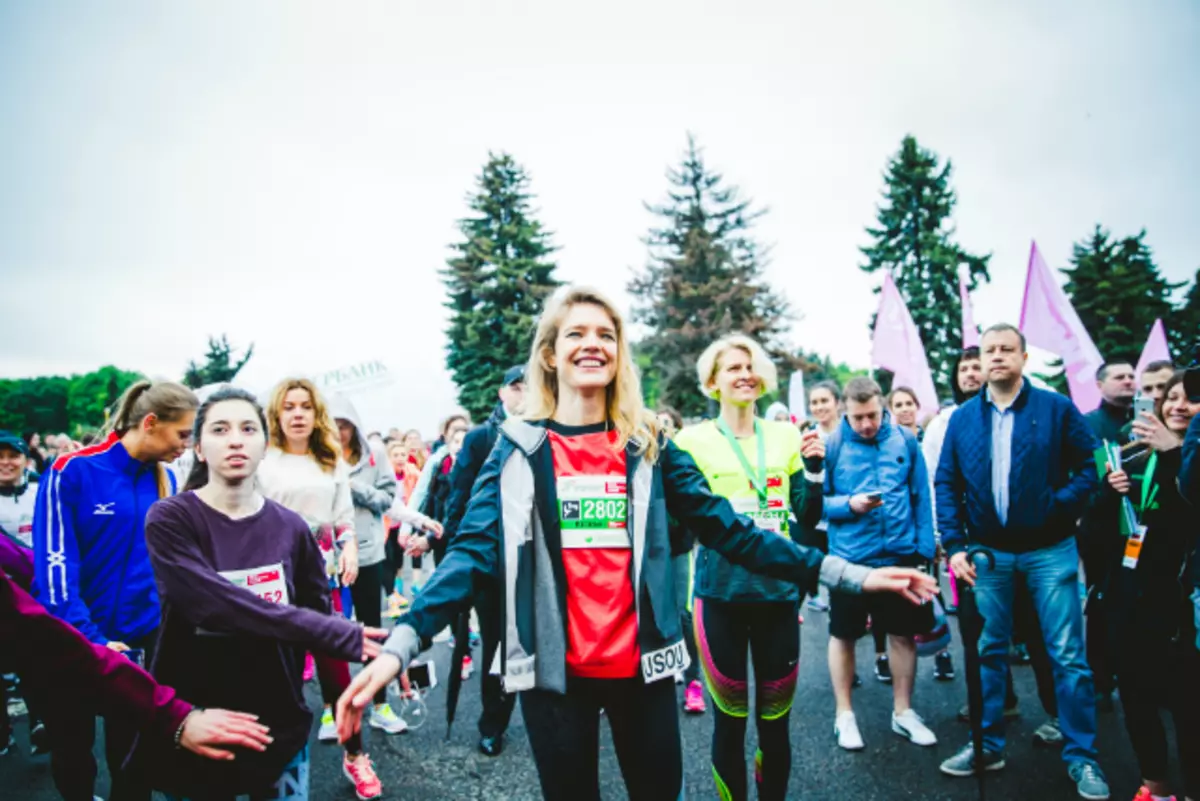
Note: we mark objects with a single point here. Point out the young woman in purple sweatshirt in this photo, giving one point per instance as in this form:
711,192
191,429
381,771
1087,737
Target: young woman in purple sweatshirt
244,595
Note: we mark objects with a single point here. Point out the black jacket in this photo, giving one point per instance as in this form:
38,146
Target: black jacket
477,444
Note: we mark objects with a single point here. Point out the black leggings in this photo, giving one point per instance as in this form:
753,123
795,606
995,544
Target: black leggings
564,732
771,633
367,594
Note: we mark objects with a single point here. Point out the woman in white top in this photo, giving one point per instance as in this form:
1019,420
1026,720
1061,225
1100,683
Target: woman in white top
304,471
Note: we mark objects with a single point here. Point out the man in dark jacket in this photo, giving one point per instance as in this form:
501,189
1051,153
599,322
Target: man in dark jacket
1016,472
478,444
1100,532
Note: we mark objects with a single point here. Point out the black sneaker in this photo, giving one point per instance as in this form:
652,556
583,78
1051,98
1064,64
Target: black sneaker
883,671
943,667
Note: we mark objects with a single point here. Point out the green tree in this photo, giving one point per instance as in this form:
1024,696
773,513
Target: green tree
496,283
220,365
1183,326
58,404
704,279
823,368
90,396
1118,292
914,241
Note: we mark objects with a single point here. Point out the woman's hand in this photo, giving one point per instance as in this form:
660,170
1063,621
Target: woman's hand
1119,480
1150,430
418,546
913,584
962,568
361,693
372,637
348,563
812,448
205,728
430,526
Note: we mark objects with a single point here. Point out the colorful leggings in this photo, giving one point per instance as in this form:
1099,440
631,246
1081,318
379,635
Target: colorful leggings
771,633
292,784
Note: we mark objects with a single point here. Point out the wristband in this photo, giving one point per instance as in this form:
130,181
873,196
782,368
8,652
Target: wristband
183,724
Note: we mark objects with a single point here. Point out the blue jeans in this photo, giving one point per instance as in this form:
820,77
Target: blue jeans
1051,574
292,784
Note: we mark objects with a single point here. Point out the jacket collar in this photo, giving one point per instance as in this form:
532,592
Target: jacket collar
985,397
885,430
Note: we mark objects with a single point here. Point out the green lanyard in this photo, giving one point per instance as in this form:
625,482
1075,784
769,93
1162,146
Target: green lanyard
757,480
1149,488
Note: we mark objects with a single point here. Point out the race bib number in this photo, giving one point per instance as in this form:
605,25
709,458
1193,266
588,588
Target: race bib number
773,518
592,511
1133,547
665,662
267,582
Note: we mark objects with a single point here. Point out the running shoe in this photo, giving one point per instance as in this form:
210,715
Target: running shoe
310,668
1048,735
328,730
883,671
473,640
1144,794
693,699
908,724
384,718
962,764
801,619
361,774
1089,781
817,605
943,667
468,667
845,729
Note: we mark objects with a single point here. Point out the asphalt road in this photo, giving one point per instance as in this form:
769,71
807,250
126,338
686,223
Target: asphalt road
423,766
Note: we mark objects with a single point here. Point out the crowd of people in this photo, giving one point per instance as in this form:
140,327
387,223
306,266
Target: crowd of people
210,551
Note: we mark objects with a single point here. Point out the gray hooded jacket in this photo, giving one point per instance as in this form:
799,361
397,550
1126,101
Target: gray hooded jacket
372,486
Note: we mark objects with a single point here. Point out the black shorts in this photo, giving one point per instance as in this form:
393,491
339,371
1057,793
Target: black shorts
893,613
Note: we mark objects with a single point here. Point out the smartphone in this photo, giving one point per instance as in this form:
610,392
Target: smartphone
422,675
137,656
1142,404
874,497
805,425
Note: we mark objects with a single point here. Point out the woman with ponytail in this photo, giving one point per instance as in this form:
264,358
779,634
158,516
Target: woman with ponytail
91,567
303,470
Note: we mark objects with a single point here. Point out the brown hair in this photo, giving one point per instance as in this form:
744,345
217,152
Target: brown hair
166,400
323,444
1174,381
903,390
862,389
198,476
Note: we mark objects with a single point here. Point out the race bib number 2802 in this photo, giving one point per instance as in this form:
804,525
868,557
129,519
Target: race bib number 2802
267,582
592,511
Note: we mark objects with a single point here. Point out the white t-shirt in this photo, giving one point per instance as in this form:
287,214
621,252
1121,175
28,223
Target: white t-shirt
300,483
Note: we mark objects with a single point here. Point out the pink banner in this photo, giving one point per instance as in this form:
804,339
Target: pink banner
1050,322
1156,348
970,333
897,347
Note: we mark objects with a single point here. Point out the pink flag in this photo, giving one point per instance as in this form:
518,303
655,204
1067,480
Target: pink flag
897,347
1050,322
1156,348
970,334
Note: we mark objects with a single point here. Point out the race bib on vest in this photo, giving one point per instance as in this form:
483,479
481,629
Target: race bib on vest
773,518
665,662
592,511
267,582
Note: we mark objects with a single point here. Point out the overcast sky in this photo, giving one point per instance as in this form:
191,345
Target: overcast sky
290,173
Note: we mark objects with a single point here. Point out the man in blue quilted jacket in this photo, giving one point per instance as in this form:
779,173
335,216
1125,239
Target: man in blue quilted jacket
1014,476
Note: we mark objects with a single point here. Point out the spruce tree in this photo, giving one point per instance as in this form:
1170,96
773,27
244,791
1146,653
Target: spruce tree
219,365
495,283
1118,292
914,241
1183,327
704,279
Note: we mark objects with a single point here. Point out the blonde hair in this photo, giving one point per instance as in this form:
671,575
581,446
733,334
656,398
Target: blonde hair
166,400
710,362
324,444
628,414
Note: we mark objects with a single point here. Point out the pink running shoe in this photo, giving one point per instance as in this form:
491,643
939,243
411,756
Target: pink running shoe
361,774
1144,795
310,668
693,699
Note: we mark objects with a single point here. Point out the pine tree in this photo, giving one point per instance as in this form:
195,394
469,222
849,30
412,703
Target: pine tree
704,279
915,243
495,283
1183,327
219,365
1118,292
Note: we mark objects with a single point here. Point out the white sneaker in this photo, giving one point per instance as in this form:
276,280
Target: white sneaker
845,728
908,724
328,731
385,719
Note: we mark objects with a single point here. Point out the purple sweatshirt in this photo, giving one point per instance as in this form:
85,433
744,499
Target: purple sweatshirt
242,600
72,673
